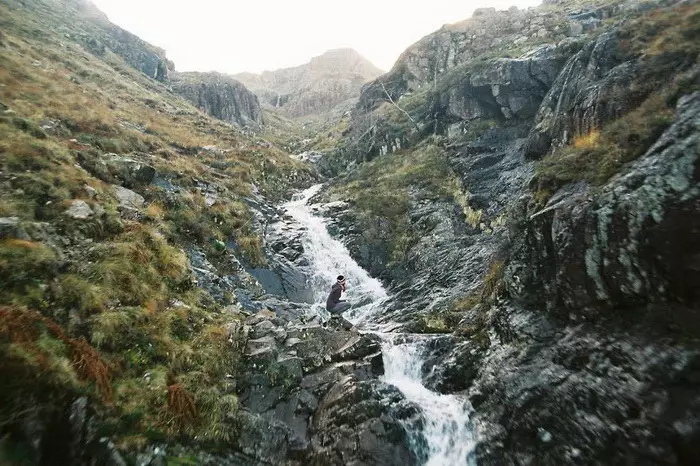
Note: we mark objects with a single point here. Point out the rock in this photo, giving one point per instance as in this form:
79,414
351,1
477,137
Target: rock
263,328
79,210
128,198
359,420
90,191
323,85
10,227
280,334
260,344
357,348
220,96
591,265
263,439
131,172
574,104
600,250
291,369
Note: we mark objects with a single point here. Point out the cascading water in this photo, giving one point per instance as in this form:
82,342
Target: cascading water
446,438
329,258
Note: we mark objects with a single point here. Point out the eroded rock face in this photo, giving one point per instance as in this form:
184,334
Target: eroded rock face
220,96
636,241
584,395
588,92
595,359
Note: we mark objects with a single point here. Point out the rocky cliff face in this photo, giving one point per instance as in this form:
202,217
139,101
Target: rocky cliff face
81,21
220,96
327,81
557,257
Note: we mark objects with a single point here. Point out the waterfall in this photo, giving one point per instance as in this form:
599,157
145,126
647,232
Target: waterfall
446,437
329,258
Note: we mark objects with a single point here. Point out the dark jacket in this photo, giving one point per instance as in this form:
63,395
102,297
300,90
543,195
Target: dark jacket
334,297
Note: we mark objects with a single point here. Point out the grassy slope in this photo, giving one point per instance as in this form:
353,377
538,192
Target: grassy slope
101,302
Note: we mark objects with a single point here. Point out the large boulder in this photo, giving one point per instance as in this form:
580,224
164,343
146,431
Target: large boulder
359,422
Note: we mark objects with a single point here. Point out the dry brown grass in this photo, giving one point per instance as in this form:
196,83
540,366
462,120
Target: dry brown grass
587,141
90,366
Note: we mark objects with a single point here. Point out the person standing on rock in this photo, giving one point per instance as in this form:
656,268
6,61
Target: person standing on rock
334,304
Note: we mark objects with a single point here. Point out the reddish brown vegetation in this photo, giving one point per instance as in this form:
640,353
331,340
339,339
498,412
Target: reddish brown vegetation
24,327
181,405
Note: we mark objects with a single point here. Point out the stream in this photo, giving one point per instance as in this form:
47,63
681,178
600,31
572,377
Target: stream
446,437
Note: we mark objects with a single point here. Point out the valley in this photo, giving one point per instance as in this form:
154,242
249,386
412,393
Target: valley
515,205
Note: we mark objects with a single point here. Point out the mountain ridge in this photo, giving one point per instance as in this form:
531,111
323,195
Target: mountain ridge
315,87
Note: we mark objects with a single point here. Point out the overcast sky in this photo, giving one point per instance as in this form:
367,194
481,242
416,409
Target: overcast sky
256,35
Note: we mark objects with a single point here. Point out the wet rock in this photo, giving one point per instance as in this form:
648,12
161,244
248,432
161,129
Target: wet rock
576,391
454,368
358,421
357,348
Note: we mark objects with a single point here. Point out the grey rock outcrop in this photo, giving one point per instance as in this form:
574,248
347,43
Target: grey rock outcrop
588,92
97,34
128,198
79,210
220,96
634,242
313,392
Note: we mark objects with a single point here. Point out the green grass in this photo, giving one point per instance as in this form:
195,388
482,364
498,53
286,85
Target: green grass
382,191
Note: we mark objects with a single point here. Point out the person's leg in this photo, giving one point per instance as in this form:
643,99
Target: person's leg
340,308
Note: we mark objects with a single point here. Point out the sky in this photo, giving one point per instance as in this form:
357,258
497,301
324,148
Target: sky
232,36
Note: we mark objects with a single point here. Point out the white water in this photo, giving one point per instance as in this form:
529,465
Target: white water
446,417
329,258
446,438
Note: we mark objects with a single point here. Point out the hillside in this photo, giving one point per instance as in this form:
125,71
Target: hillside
515,207
121,205
328,81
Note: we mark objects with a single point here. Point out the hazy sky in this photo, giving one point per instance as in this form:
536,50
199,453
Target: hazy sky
256,35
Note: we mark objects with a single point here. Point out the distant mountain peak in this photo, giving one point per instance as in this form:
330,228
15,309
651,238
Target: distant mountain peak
318,86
